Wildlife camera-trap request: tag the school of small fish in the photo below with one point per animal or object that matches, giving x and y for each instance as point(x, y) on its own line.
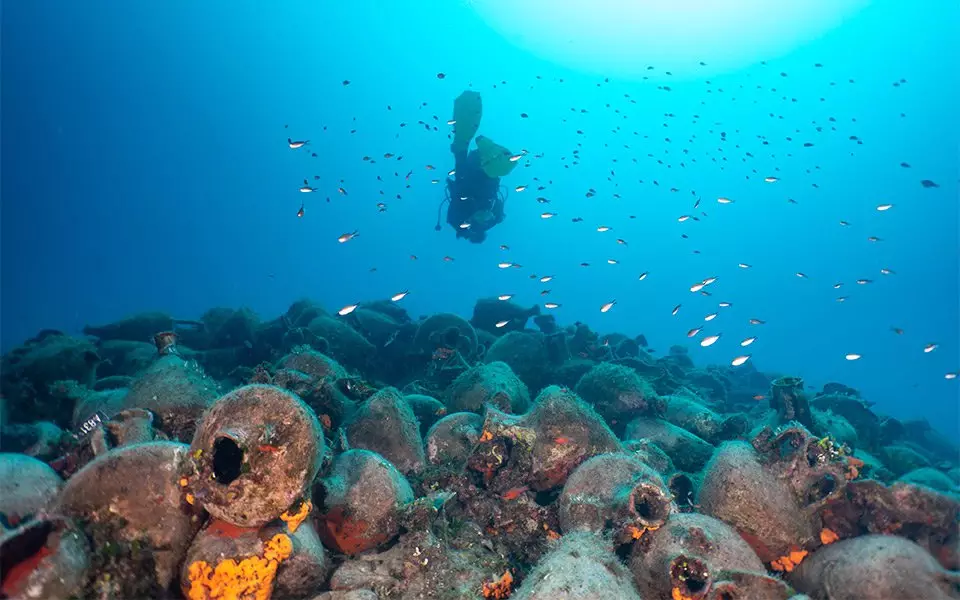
point(728, 153)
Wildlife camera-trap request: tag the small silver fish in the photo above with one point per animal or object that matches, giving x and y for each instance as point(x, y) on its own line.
point(709, 340)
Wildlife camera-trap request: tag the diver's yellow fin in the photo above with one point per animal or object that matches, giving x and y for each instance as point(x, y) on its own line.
point(494, 158)
point(467, 111)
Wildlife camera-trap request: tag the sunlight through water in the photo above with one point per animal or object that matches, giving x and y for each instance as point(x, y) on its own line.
point(623, 38)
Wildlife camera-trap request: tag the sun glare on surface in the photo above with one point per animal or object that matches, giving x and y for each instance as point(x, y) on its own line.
point(624, 37)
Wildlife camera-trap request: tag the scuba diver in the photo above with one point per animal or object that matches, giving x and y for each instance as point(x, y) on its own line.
point(476, 203)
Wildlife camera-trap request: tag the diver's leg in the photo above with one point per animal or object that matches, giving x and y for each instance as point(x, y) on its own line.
point(459, 160)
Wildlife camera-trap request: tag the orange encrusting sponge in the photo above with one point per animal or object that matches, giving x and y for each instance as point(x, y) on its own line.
point(500, 589)
point(250, 579)
point(294, 520)
point(789, 562)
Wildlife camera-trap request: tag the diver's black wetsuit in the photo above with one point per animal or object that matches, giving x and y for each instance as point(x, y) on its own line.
point(471, 191)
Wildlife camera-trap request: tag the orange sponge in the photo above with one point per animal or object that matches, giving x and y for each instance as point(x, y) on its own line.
point(293, 520)
point(250, 579)
point(500, 589)
point(789, 562)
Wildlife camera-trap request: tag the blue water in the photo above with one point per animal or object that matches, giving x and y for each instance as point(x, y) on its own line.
point(145, 167)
